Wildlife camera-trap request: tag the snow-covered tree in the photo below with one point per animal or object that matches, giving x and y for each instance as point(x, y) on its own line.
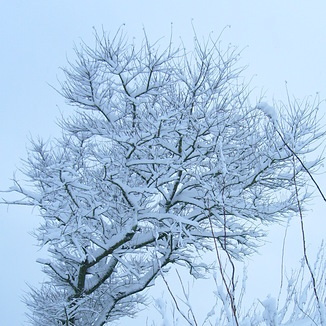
point(163, 154)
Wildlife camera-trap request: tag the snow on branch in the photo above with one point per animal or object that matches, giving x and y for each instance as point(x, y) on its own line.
point(157, 134)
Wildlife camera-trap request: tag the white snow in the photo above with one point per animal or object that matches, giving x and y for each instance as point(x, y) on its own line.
point(270, 111)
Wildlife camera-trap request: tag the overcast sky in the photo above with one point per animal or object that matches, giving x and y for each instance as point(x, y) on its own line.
point(281, 41)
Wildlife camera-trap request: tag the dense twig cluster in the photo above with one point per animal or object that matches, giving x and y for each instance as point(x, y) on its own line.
point(163, 154)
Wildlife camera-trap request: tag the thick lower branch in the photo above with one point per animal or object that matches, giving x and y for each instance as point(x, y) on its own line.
point(132, 289)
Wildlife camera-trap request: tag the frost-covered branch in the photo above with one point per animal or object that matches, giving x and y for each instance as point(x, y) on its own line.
point(155, 134)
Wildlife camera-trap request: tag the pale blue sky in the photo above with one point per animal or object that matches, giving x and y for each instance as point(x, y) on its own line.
point(282, 41)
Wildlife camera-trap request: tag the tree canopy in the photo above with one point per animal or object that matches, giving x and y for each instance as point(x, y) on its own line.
point(164, 157)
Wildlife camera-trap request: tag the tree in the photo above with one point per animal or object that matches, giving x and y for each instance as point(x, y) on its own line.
point(163, 156)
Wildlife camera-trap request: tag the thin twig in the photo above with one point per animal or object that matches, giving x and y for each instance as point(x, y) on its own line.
point(225, 249)
point(176, 302)
point(305, 168)
point(233, 307)
point(304, 240)
point(186, 296)
point(282, 262)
